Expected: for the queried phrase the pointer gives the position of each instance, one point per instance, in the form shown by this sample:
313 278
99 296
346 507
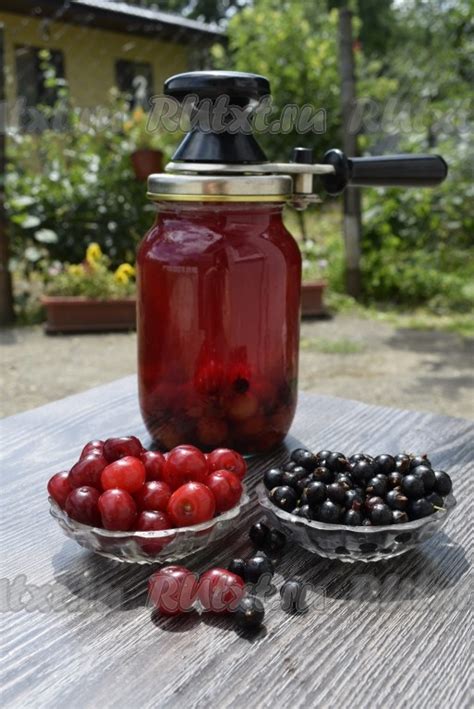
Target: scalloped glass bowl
163 547
338 541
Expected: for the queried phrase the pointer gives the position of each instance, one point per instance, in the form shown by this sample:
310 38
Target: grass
342 346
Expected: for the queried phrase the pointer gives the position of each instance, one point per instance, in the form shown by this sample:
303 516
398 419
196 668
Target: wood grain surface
77 632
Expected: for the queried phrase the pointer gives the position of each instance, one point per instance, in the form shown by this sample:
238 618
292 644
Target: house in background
95 45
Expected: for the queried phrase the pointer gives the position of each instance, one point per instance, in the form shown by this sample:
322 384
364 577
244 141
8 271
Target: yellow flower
75 270
93 254
127 126
127 269
121 277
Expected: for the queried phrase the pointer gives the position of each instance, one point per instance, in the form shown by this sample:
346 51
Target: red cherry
59 487
185 464
126 473
81 505
88 471
153 521
115 448
226 459
173 590
154 462
92 447
117 509
153 495
192 503
209 378
220 590
226 488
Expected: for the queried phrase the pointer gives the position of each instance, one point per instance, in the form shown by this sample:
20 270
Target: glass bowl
339 541
162 547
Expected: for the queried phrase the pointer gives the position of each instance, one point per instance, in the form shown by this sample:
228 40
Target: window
30 77
135 79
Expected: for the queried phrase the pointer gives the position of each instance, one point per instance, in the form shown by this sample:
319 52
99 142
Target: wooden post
352 201
7 315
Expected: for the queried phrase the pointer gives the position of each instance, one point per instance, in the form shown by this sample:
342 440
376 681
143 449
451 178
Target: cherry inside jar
218 325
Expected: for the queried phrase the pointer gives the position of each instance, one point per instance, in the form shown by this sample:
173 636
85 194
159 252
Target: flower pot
145 162
77 314
312 298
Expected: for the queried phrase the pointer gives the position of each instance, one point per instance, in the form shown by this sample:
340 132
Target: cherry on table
82 505
220 590
126 473
173 590
117 509
59 487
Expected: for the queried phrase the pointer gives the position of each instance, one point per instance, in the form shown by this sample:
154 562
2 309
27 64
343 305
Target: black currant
402 463
291 465
293 477
394 479
427 475
419 460
284 497
366 522
329 512
376 487
435 499
399 517
272 478
314 494
276 541
304 511
420 508
336 492
353 518
259 534
443 485
353 500
322 456
302 484
396 500
250 613
360 456
361 471
384 463
370 502
305 459
412 486
322 474
345 480
257 566
237 566
381 514
337 463
293 595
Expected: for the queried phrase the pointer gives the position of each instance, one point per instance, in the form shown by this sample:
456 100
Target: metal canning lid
219 188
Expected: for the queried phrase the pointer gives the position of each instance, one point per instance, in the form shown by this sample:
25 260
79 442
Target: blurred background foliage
415 63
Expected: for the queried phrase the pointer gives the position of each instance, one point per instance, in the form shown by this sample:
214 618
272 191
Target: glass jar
218 325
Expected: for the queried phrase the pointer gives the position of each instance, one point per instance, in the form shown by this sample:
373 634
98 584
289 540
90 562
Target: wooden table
77 632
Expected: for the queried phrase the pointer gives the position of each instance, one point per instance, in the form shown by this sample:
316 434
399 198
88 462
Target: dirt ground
349 357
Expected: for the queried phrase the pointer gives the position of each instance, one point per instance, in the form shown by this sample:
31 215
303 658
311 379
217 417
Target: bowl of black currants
357 508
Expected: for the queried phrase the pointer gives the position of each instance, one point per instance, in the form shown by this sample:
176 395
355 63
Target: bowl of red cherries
358 507
142 506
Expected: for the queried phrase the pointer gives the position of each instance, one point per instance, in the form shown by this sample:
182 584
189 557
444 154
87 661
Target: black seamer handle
383 171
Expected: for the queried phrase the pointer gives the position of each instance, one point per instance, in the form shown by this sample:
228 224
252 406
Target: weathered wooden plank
397 636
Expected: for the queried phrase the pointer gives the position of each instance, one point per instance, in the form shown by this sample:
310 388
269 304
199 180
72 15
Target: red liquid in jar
218 326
